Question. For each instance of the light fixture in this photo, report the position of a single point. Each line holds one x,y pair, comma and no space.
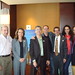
5,19
4,16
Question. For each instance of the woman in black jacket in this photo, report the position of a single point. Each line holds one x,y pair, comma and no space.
73,51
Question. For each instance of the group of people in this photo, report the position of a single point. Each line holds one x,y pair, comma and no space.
18,47
56,50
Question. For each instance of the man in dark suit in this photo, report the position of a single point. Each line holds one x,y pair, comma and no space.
59,52
39,53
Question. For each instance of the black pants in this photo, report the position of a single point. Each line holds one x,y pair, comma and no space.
42,66
58,64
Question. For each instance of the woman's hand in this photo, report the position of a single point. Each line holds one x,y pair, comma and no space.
22,60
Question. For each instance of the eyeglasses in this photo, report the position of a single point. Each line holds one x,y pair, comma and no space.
45,28
37,29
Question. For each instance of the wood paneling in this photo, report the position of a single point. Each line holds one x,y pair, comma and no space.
12,20
4,5
0,4
74,14
67,14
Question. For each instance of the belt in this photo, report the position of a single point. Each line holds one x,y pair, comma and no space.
42,56
5,55
55,54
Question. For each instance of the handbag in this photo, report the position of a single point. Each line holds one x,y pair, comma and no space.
38,71
48,70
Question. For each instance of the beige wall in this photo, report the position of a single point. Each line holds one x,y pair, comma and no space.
38,14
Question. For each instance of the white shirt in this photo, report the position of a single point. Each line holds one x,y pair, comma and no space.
58,43
5,45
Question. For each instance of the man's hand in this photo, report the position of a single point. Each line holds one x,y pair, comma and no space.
0,67
33,37
64,60
48,62
34,64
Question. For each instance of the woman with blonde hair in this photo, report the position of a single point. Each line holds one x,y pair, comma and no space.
20,49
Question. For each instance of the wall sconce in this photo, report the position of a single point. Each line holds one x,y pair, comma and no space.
5,19
4,16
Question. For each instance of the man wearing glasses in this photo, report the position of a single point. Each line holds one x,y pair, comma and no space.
39,55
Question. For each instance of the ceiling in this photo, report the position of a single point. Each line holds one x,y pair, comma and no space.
13,2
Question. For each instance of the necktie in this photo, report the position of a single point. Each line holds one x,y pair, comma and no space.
56,47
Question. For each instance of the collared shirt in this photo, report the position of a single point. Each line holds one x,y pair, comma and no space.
5,45
41,46
58,43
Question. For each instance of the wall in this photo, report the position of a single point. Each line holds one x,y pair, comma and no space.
58,14
67,14
38,14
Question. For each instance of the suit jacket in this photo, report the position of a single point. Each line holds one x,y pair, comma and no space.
63,46
35,50
16,49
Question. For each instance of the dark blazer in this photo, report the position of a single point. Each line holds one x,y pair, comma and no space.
63,46
73,54
35,50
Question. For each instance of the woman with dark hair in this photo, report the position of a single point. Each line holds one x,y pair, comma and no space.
20,49
67,33
73,51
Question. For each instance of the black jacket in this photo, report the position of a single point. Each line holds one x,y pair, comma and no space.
63,46
51,37
35,50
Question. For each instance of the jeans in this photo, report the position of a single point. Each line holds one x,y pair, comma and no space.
66,65
51,65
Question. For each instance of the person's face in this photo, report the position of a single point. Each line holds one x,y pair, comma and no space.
45,29
38,31
67,30
4,31
20,33
74,30
56,31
